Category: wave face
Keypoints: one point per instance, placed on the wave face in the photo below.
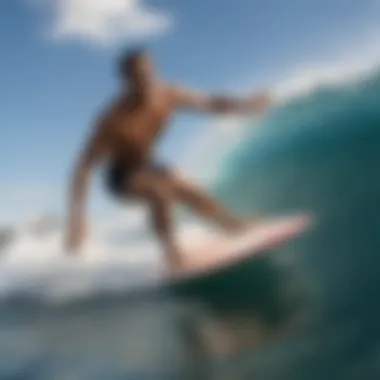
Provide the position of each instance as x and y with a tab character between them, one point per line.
318	152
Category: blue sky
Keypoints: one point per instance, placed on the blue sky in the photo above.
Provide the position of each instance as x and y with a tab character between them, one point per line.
57	68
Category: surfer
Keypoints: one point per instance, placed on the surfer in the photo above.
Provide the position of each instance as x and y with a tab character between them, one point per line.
125	136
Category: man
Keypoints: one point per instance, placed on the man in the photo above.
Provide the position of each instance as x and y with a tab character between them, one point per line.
125	136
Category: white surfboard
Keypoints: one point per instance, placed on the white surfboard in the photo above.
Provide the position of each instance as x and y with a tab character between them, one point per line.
221	251
223	255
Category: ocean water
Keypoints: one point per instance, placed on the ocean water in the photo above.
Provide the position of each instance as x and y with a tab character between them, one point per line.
308	311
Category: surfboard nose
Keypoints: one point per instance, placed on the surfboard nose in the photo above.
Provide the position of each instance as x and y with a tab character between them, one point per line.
256	241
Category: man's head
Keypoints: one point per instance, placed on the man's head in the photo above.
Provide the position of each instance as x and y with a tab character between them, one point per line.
137	68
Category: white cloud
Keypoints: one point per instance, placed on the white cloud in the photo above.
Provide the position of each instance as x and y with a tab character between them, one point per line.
106	21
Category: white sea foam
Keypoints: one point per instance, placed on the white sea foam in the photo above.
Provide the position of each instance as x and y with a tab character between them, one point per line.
40	266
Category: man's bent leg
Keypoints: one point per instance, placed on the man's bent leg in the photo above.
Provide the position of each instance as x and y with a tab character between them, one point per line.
162	223
155	190
206	206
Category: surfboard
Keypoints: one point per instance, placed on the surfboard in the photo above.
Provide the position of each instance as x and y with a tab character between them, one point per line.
230	272
227	271
221	251
222	257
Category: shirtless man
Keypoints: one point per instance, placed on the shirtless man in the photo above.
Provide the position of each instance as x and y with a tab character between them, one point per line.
126	135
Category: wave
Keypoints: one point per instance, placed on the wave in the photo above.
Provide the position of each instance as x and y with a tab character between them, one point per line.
224	137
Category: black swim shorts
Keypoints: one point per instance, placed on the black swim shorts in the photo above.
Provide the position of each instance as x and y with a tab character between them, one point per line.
119	175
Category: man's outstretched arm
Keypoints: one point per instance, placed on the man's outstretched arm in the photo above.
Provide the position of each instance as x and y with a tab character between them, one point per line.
76	228
258	103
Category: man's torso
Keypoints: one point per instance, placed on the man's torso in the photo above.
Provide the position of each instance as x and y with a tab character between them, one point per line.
132	126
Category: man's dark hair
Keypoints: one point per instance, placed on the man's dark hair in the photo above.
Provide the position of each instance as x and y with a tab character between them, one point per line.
128	59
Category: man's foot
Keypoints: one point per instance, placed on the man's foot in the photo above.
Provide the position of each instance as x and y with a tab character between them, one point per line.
236	226
175	260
